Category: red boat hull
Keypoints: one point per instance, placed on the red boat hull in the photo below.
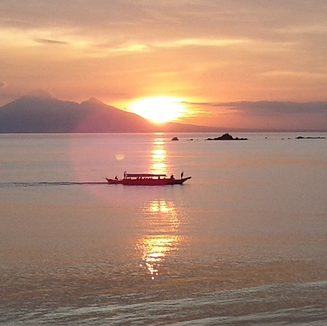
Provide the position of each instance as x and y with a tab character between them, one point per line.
148	181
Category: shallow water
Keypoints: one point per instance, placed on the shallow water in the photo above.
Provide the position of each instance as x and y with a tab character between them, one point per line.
242	242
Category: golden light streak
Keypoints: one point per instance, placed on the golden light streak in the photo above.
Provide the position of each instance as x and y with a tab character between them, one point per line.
155	248
159	156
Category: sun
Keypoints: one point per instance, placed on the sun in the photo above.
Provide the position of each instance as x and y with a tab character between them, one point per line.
159	109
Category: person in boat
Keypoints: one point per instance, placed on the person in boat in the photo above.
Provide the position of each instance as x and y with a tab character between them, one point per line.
182	174
172	177
116	178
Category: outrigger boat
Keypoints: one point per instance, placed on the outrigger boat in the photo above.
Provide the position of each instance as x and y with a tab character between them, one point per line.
147	179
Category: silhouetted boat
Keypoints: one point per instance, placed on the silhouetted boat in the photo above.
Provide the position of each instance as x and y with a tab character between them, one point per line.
147	179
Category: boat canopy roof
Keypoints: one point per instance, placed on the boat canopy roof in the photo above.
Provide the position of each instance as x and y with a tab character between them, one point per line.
143	175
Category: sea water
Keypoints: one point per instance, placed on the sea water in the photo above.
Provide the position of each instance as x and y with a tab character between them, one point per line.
244	242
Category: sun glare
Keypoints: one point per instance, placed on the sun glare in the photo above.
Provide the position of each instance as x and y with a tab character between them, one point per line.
159	109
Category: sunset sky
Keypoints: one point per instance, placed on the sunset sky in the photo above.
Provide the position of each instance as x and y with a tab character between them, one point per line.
232	63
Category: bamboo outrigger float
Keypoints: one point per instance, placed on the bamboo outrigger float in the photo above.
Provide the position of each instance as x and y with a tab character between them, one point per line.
147	179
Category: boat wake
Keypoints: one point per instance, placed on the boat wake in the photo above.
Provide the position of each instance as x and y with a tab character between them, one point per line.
46	184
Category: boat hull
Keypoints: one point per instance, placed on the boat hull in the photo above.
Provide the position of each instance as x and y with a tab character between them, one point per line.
148	181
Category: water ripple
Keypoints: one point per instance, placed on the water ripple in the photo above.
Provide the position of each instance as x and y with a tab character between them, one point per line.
48	184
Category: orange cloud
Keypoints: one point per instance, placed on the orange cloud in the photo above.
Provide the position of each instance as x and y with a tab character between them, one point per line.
122	50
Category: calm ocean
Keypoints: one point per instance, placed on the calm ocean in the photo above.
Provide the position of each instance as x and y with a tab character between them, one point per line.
244	242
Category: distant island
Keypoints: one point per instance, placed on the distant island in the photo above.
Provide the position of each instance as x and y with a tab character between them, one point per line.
226	136
310	137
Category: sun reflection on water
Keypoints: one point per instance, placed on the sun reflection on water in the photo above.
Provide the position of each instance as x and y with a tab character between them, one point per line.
161	218
164	240
159	156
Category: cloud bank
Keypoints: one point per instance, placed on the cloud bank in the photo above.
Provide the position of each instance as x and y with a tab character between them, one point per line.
267	115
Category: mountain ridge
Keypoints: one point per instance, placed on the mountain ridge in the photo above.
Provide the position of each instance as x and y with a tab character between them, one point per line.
39	112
